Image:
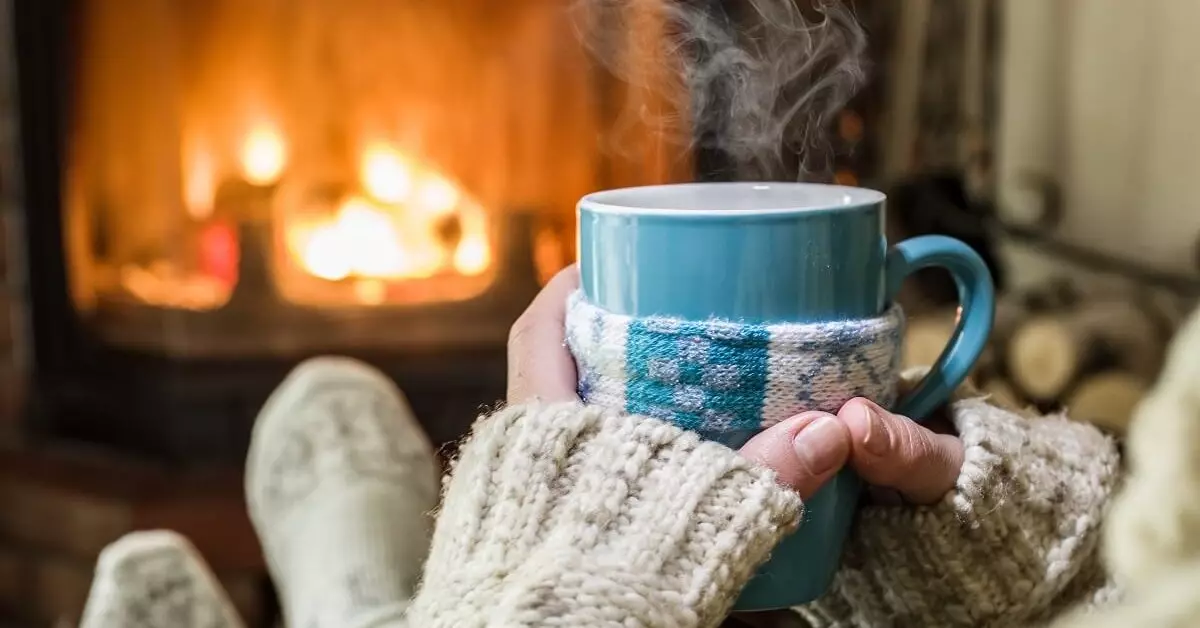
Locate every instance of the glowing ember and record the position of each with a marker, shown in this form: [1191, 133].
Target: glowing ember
[263, 155]
[163, 285]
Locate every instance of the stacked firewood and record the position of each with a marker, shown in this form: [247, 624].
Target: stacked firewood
[1093, 353]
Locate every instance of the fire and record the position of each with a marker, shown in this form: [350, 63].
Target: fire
[395, 230]
[472, 256]
[385, 174]
[263, 155]
[199, 181]
[437, 196]
[361, 240]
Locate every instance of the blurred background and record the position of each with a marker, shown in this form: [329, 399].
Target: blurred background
[197, 194]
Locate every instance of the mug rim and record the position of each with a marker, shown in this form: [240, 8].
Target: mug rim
[832, 198]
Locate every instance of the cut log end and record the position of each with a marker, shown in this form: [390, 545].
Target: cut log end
[1001, 394]
[926, 338]
[1044, 357]
[1107, 399]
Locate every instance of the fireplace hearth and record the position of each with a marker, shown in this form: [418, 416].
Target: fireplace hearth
[215, 190]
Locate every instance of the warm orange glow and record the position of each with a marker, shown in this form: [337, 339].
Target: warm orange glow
[263, 155]
[360, 240]
[199, 183]
[165, 286]
[367, 240]
[473, 255]
[410, 223]
[436, 196]
[385, 174]
[370, 291]
[550, 252]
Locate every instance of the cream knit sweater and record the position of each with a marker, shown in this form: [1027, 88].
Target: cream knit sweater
[566, 515]
[1152, 536]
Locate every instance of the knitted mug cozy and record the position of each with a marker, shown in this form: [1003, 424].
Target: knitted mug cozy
[720, 376]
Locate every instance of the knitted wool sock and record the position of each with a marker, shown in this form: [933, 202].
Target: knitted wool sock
[155, 580]
[340, 480]
[722, 377]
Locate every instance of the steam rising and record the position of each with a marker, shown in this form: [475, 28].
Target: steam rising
[760, 89]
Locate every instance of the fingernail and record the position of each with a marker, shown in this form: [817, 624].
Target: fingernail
[820, 445]
[878, 440]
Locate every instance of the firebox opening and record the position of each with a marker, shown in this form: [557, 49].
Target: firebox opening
[206, 129]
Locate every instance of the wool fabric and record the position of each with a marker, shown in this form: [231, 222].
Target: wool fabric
[575, 515]
[156, 579]
[339, 482]
[721, 376]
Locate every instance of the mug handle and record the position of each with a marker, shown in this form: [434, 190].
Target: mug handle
[978, 300]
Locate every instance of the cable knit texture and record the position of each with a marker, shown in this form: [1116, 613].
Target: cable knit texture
[1156, 523]
[718, 376]
[1015, 542]
[565, 515]
[572, 515]
[1152, 539]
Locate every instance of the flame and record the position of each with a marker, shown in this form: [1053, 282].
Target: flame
[472, 255]
[394, 230]
[199, 183]
[437, 196]
[324, 254]
[365, 240]
[263, 155]
[360, 240]
[385, 174]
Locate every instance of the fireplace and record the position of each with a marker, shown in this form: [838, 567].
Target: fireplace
[197, 194]
[216, 189]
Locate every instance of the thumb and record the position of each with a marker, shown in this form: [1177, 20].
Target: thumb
[539, 364]
[894, 452]
[804, 451]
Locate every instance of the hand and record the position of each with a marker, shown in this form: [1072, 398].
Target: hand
[887, 450]
[921, 462]
[539, 364]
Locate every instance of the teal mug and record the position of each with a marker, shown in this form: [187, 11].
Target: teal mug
[771, 253]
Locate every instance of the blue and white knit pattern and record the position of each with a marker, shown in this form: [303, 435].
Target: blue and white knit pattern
[721, 376]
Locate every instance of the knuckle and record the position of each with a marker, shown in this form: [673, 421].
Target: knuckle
[917, 448]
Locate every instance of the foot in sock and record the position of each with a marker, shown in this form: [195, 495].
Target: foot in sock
[155, 580]
[340, 481]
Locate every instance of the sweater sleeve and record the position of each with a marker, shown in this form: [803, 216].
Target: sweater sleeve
[576, 516]
[1015, 542]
